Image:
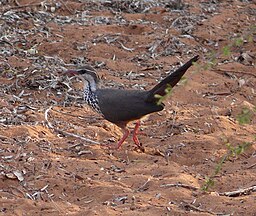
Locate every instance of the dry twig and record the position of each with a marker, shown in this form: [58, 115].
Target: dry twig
[19, 6]
[77, 116]
[251, 166]
[126, 48]
[68, 9]
[194, 208]
[231, 71]
[65, 132]
[245, 191]
[180, 185]
[143, 187]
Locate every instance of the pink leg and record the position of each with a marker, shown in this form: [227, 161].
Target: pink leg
[135, 132]
[125, 135]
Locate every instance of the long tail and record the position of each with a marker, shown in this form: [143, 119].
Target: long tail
[171, 80]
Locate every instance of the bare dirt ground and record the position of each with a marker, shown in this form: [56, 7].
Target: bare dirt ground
[209, 117]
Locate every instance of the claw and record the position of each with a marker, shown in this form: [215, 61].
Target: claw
[135, 132]
[126, 134]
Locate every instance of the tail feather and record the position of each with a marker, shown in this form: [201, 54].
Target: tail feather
[171, 80]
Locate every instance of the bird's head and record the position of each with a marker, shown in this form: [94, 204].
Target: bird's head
[88, 75]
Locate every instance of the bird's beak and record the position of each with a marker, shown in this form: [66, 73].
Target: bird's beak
[70, 72]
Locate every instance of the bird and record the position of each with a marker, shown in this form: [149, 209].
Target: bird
[121, 106]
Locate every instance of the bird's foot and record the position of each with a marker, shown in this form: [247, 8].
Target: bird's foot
[119, 144]
[137, 142]
[121, 141]
[135, 133]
